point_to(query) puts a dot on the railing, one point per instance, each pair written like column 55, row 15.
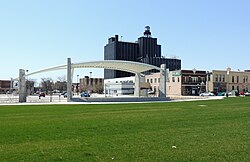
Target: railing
column 11, row 98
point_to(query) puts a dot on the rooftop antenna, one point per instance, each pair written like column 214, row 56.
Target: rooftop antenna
column 147, row 32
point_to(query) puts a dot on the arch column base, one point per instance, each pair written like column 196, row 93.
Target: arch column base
column 22, row 86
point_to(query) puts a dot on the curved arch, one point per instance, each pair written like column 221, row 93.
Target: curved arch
column 129, row 66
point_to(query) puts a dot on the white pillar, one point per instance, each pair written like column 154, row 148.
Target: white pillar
column 163, row 80
column 137, row 85
column 69, row 80
column 22, row 86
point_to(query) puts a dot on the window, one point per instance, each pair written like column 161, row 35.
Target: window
column 237, row 79
column 194, row 79
column 216, row 77
column 155, row 80
column 232, row 79
column 203, row 79
column 245, row 79
column 223, row 78
column 151, row 80
column 178, row 79
column 232, row 87
column 159, row 80
column 190, row 79
column 173, row 79
column 147, row 80
column 220, row 78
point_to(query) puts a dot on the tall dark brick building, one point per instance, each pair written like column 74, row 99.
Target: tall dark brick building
column 144, row 50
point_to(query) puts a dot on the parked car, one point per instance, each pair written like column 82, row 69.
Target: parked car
column 85, row 94
column 242, row 93
column 207, row 94
column 63, row 92
column 221, row 94
column 247, row 94
column 42, row 94
column 65, row 95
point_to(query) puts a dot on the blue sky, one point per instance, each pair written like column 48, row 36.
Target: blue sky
column 204, row 34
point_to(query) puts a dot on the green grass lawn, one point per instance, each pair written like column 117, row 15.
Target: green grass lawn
column 217, row 130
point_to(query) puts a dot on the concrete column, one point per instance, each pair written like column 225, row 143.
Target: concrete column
column 163, row 80
column 137, row 85
column 69, row 80
column 22, row 86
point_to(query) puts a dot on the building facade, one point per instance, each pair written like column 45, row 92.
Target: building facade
column 144, row 50
column 154, row 80
column 5, row 86
column 94, row 85
column 187, row 82
column 227, row 81
column 124, row 86
column 180, row 82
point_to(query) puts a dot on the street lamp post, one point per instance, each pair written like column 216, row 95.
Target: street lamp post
column 27, row 82
column 228, row 71
column 90, row 73
column 11, row 85
column 207, row 81
column 77, row 85
column 202, row 84
column 90, row 82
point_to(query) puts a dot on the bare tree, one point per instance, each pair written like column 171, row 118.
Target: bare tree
column 47, row 84
column 61, row 83
column 30, row 86
column 62, row 78
column 98, row 88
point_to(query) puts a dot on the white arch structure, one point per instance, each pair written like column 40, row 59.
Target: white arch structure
column 128, row 66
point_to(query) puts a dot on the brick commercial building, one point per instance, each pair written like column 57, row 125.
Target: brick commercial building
column 5, row 86
column 223, row 81
column 94, row 85
column 180, row 82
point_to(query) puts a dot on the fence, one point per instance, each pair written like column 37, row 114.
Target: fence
column 14, row 98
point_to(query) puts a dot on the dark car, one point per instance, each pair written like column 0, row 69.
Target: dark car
column 42, row 94
column 85, row 94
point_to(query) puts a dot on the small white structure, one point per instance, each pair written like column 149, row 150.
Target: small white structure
column 119, row 86
column 125, row 86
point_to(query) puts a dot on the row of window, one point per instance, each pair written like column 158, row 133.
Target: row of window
column 189, row 79
column 235, row 79
column 237, row 88
column 153, row 80
column 173, row 79
column 220, row 78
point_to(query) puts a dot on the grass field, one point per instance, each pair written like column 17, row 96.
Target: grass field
column 215, row 130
